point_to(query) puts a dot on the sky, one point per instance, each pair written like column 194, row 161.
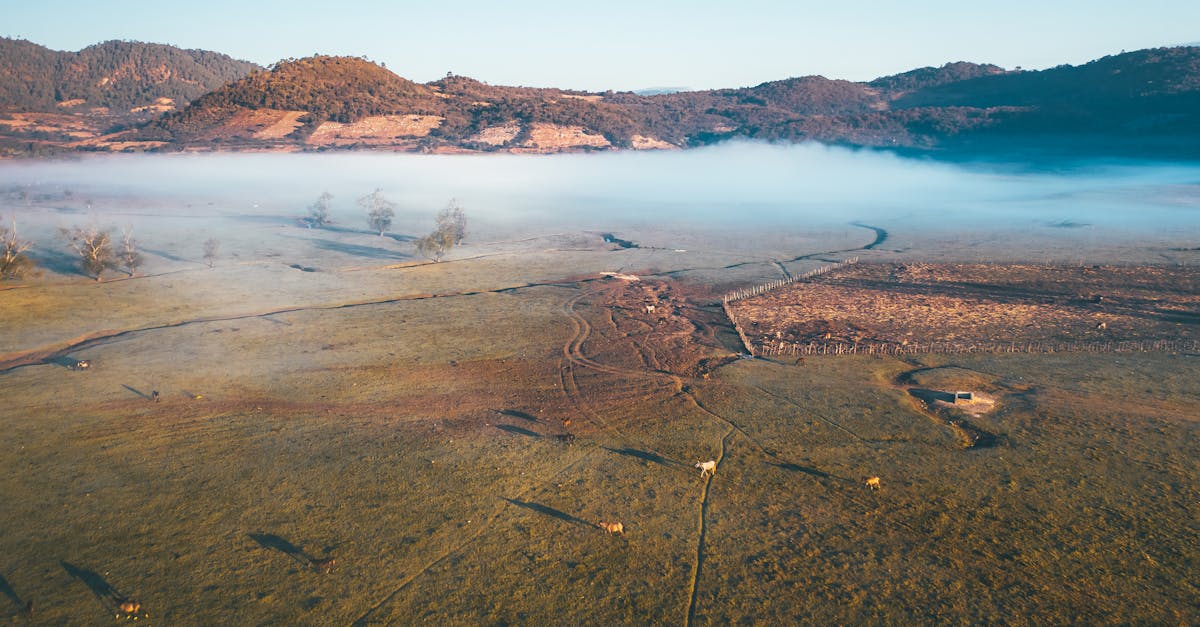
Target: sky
column 626, row 44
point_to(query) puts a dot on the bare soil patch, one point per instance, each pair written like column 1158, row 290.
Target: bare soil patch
column 552, row 136
column 284, row 125
column 641, row 142
column 976, row 305
column 497, row 135
column 376, row 129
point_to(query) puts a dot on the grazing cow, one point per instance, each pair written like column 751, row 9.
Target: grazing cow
column 612, row 527
column 871, row 482
column 565, row 438
column 322, row 565
column 708, row 468
column 81, row 364
column 130, row 607
column 650, row 308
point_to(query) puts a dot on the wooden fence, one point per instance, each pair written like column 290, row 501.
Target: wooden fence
column 766, row 287
column 820, row 348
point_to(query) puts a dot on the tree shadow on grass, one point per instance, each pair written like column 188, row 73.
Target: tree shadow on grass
column 550, row 511
column 341, row 229
column 55, row 261
column 358, row 250
column 168, row 256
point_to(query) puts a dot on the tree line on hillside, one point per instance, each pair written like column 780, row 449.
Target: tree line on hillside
column 115, row 74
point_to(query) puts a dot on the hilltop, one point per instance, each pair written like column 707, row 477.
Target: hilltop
column 118, row 75
column 1139, row 103
column 50, row 99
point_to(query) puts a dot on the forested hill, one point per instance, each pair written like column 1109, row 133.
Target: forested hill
column 120, row 75
column 1143, row 103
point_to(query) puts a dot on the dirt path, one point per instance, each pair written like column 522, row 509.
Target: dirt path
column 701, row 532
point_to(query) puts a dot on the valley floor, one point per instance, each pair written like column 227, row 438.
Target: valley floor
column 323, row 428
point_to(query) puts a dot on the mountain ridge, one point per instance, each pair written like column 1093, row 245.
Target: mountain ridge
column 1140, row 102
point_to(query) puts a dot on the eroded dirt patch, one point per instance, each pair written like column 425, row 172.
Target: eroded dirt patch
column 1026, row 308
column 658, row 325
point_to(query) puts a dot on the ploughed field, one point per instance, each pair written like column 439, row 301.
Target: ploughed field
column 373, row 439
column 954, row 307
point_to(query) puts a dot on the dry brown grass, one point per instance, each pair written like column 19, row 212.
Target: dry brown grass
column 336, row 447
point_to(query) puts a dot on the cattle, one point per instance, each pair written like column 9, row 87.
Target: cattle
column 130, row 606
column 871, row 482
column 322, row 565
column 613, row 527
column 708, row 468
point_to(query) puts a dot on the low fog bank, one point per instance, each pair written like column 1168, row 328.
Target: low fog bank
column 739, row 183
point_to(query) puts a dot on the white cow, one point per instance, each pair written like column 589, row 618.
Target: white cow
column 708, row 468
column 614, row 527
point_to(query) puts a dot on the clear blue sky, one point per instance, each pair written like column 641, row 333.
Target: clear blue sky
column 625, row 44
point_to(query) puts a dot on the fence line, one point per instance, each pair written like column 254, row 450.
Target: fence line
column 820, row 348
column 766, row 287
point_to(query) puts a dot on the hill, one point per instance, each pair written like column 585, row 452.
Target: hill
column 119, row 75
column 1145, row 103
column 325, row 101
column 51, row 101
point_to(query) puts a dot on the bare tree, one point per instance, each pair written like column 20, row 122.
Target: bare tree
column 129, row 252
column 436, row 244
column 93, row 246
column 452, row 220
column 14, row 264
column 318, row 212
column 450, row 230
column 380, row 210
column 211, row 248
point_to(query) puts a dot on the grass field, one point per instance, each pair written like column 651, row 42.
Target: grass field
column 402, row 418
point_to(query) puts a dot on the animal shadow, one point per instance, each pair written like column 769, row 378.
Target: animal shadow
column 301, row 557
column 790, row 467
column 645, row 456
column 550, row 511
column 7, row 590
column 104, row 592
column 518, row 431
column 135, row 391
column 517, row 414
